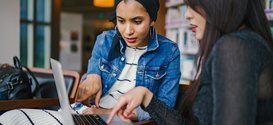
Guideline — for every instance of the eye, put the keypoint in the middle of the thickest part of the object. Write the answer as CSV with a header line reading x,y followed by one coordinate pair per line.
x,y
137,22
121,21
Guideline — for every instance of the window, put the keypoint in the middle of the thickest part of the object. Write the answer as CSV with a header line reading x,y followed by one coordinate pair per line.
x,y
35,32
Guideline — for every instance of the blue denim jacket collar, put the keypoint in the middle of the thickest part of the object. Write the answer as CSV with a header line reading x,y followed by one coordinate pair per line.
x,y
153,42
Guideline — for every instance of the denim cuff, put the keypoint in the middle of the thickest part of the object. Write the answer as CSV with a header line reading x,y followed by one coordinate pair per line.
x,y
142,115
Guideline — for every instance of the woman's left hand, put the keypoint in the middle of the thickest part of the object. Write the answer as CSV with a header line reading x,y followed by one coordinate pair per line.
x,y
128,102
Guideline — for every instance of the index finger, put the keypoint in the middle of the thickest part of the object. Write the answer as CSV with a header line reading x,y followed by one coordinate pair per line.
x,y
81,96
114,111
80,93
77,96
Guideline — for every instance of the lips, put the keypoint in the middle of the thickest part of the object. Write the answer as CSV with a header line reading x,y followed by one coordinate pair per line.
x,y
131,40
193,28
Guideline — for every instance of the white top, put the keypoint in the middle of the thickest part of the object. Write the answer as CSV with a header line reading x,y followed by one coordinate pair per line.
x,y
127,78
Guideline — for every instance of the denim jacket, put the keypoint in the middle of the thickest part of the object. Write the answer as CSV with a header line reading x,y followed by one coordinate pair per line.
x,y
158,68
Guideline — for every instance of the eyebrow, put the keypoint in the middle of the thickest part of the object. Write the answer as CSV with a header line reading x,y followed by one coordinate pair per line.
x,y
137,17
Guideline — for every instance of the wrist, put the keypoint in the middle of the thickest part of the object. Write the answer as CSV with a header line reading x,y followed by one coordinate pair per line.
x,y
93,76
148,95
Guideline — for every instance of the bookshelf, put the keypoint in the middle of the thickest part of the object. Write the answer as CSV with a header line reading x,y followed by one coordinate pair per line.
x,y
269,9
178,30
269,12
173,3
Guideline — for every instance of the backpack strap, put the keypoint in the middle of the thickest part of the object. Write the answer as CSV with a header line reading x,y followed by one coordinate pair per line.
x,y
18,65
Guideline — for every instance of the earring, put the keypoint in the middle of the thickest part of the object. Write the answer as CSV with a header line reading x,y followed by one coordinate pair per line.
x,y
152,32
117,32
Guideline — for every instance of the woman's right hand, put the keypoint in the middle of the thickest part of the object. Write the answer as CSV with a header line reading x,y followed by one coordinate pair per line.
x,y
91,86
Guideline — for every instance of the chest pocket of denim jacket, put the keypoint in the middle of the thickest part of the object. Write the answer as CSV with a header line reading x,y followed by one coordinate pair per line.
x,y
154,77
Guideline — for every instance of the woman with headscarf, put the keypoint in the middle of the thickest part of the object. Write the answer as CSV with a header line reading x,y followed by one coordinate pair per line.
x,y
131,55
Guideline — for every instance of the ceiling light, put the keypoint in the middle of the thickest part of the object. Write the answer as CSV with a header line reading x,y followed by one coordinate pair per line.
x,y
103,3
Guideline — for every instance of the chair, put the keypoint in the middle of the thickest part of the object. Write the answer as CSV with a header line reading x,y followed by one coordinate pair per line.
x,y
182,90
48,91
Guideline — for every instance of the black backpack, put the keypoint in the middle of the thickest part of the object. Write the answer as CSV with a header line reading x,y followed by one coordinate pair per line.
x,y
15,83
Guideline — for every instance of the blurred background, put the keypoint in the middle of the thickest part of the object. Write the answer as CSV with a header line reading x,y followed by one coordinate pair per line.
x,y
36,30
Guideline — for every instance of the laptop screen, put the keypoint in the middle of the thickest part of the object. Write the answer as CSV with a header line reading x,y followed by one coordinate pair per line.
x,y
61,90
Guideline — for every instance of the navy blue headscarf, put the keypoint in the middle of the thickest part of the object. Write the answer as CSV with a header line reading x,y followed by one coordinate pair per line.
x,y
151,6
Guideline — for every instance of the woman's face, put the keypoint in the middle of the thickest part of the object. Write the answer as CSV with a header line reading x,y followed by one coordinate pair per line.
x,y
133,23
197,22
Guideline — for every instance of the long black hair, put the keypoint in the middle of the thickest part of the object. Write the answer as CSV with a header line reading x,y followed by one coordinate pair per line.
x,y
222,17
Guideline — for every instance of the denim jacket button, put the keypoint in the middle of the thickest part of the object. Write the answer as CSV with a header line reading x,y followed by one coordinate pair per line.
x,y
105,86
102,66
157,75
114,74
122,58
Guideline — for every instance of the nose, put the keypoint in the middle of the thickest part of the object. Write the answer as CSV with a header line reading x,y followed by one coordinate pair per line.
x,y
188,15
129,30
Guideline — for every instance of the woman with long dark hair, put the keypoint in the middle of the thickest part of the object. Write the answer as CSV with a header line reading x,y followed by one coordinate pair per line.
x,y
234,83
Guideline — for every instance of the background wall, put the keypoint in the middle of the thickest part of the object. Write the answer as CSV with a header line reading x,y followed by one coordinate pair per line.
x,y
160,22
9,30
71,41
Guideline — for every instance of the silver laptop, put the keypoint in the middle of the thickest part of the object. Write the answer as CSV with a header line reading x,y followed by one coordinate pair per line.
x,y
69,117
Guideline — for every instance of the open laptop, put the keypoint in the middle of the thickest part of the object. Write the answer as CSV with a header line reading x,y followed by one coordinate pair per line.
x,y
69,117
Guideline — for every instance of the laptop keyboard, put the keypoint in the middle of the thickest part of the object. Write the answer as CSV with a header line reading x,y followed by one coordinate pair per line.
x,y
81,119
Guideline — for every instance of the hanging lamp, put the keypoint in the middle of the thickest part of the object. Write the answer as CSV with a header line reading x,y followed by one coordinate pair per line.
x,y
103,3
